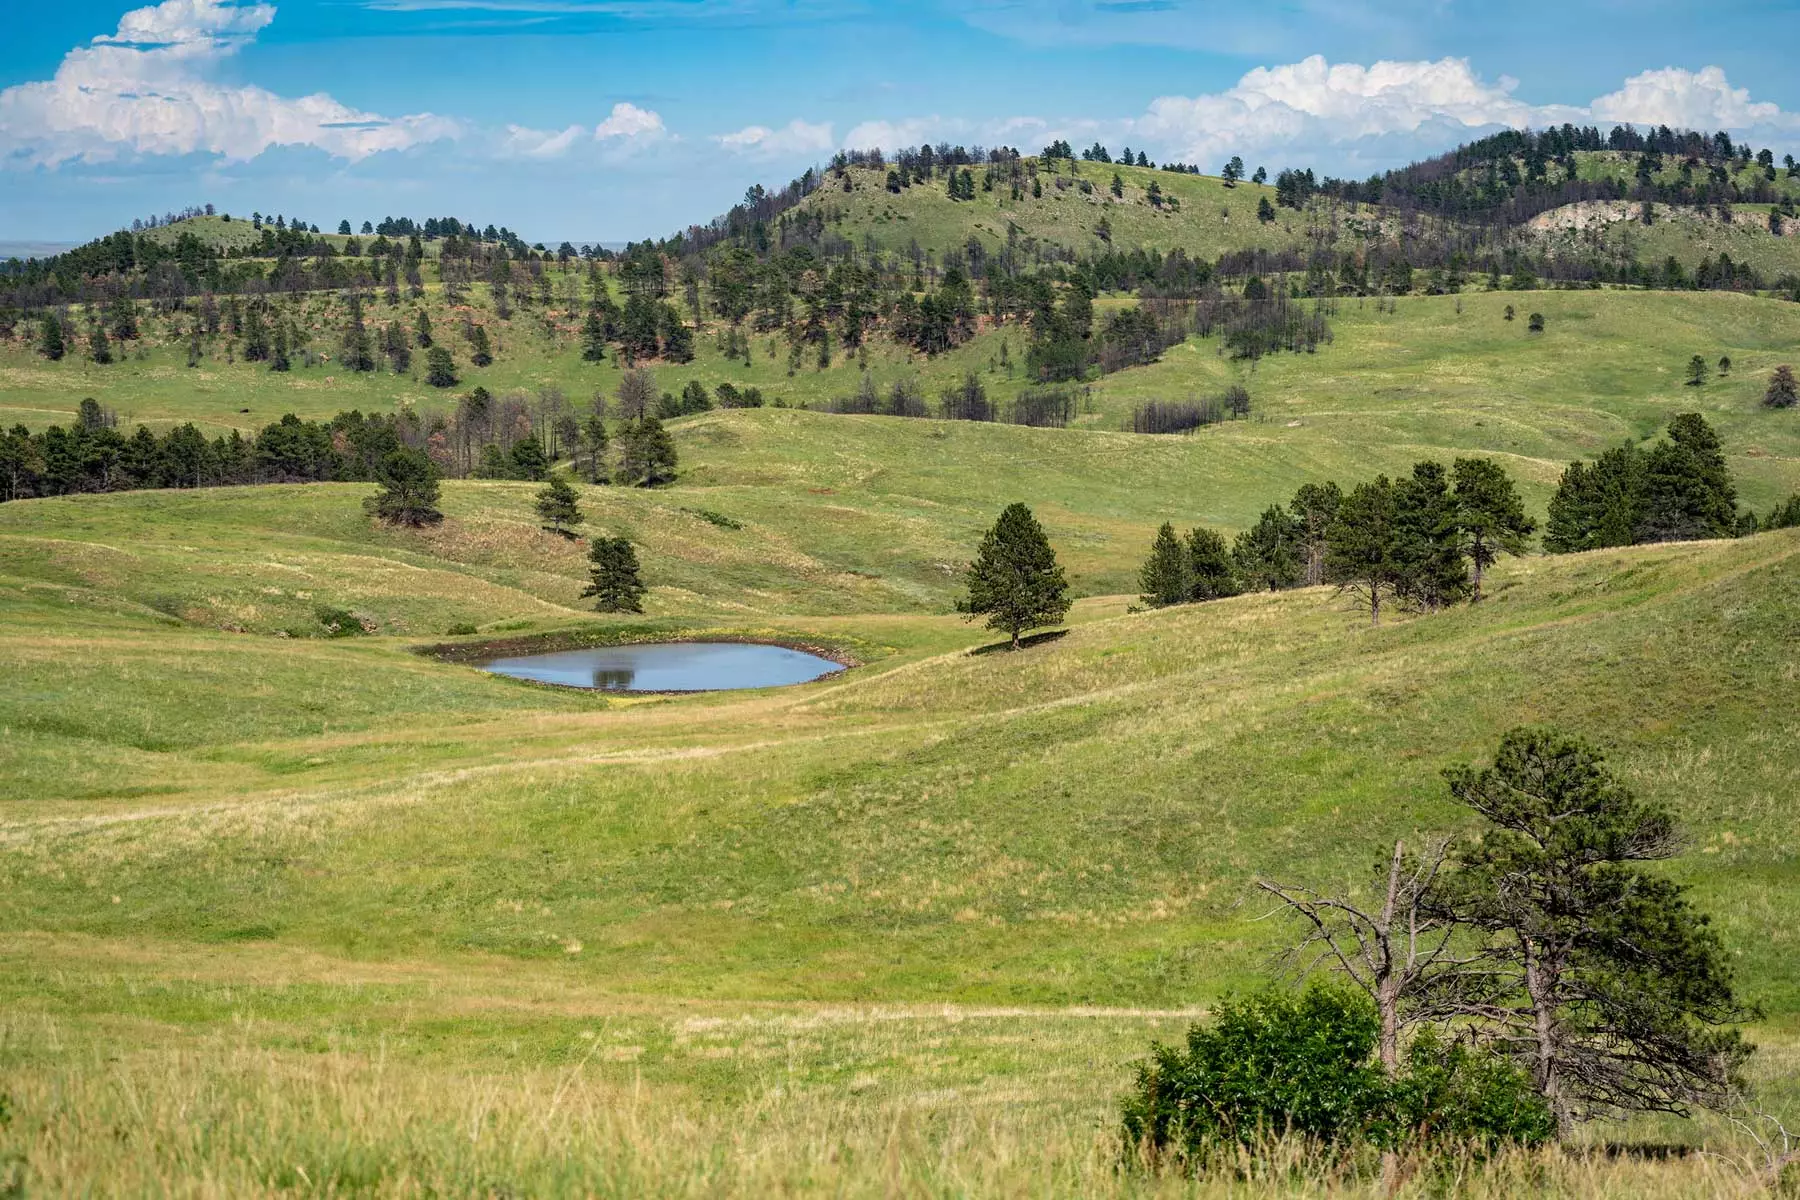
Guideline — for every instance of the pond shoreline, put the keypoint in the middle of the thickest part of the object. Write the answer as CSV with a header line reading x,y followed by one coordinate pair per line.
x,y
479,653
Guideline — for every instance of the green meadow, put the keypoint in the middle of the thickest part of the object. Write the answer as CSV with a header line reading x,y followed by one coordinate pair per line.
x,y
282,913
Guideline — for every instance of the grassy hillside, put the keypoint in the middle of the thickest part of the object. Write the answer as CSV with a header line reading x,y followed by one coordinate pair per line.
x,y
1206,220
237,232
1439,376
335,878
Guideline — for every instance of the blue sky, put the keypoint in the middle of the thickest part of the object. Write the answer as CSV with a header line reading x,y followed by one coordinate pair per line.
x,y
617,119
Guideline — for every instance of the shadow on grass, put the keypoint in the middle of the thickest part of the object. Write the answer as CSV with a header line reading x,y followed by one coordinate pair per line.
x,y
1025,643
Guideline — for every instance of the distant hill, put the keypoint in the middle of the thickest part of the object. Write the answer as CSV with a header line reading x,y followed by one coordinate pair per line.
x,y
23,250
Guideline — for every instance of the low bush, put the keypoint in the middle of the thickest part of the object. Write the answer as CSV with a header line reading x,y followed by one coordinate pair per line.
x,y
1282,1064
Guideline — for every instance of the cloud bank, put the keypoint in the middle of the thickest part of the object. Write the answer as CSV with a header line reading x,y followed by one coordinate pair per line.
x,y
147,89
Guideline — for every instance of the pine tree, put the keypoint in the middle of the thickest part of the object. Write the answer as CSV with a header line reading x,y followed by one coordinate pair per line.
x,y
527,460
558,504
278,357
593,337
256,335
1782,392
594,443
1490,515
1266,555
1314,507
1015,581
1210,573
1688,491
646,454
1265,212
99,346
1164,576
1598,505
1429,567
677,338
481,351
617,586
1359,546
1697,371
440,368
50,338
1603,979
409,489
422,330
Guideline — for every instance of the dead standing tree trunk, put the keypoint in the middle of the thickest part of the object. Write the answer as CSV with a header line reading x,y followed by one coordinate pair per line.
x,y
1392,954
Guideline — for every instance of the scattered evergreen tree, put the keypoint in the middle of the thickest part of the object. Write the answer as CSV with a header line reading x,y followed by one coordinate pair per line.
x,y
1688,491
694,398
616,585
481,350
1782,391
256,334
278,354
1599,505
646,454
527,460
1015,580
1534,323
1601,977
558,504
677,338
1430,571
1314,508
100,346
1164,576
440,368
594,443
1489,514
1697,371
1266,556
1210,572
1265,212
50,338
357,355
593,337
409,489
422,330
1359,545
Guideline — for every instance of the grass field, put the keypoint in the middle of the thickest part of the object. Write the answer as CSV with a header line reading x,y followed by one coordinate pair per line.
x,y
288,914
375,922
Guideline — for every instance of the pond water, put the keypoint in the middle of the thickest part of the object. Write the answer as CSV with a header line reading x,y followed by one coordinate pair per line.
x,y
668,667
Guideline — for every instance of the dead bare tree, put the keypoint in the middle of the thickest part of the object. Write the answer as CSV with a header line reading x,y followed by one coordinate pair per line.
x,y
1401,954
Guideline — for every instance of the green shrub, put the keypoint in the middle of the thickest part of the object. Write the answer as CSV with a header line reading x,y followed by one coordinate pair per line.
x,y
460,629
1283,1064
339,622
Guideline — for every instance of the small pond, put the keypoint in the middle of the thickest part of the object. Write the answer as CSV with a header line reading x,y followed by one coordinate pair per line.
x,y
668,667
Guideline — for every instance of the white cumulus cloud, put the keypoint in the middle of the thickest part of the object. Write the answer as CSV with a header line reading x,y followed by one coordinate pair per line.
x,y
147,89
1702,99
630,122
796,137
1393,110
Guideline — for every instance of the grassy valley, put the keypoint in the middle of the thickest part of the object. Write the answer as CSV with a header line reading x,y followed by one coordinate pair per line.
x,y
286,912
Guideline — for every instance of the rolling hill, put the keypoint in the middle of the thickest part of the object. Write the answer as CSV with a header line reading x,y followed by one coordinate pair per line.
x,y
288,912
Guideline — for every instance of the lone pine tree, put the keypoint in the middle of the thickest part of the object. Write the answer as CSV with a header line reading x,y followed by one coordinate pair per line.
x,y
616,585
558,504
1601,977
409,489
1015,581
